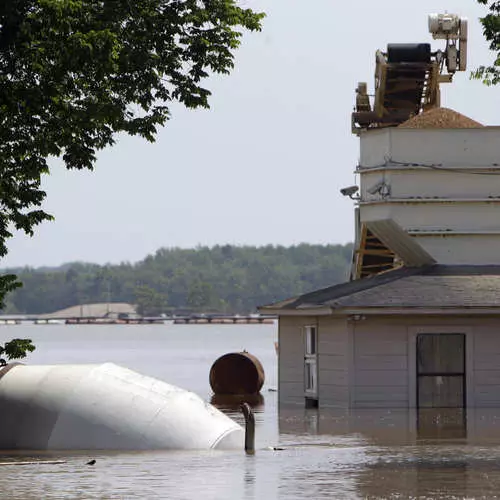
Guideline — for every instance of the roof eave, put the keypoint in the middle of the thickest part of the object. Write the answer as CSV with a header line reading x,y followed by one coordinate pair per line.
x,y
399,311
300,311
382,311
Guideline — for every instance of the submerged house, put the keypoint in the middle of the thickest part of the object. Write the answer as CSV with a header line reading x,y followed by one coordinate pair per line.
x,y
418,325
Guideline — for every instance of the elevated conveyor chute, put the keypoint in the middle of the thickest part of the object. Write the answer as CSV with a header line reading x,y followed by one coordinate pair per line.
x,y
407,76
407,80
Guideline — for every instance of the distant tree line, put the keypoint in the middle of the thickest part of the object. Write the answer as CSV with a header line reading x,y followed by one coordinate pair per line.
x,y
229,279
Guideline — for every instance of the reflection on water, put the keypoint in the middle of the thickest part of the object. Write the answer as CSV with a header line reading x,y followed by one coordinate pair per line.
x,y
429,454
233,402
441,423
327,454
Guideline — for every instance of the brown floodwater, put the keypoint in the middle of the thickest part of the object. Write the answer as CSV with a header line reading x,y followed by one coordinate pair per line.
x,y
323,454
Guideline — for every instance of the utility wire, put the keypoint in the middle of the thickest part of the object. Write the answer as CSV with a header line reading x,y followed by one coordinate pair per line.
x,y
439,167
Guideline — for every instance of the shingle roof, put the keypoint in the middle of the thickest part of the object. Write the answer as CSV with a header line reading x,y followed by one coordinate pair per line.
x,y
436,286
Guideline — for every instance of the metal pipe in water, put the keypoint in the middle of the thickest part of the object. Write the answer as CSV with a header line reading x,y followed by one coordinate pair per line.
x,y
249,429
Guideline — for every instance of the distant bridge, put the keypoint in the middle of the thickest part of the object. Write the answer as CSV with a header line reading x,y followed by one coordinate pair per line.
x,y
223,319
192,319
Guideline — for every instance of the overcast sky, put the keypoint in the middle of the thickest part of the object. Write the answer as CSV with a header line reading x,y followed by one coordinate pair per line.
x,y
265,164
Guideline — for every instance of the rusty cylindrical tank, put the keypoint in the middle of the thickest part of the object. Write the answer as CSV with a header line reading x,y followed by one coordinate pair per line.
x,y
237,373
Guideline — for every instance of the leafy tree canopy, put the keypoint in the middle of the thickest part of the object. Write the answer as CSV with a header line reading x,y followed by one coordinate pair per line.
x,y
490,75
149,302
231,279
16,348
73,73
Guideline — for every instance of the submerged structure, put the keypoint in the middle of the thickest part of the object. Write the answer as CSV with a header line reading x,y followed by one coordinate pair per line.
x,y
417,324
105,407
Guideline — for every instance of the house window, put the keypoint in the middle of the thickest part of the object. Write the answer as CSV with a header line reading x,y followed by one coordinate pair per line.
x,y
310,377
441,370
311,363
311,340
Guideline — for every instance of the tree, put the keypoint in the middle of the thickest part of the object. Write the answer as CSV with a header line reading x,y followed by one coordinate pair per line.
x,y
232,279
149,302
74,73
16,349
200,295
490,75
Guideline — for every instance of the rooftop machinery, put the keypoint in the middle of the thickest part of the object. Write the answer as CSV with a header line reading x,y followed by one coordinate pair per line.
x,y
407,80
407,76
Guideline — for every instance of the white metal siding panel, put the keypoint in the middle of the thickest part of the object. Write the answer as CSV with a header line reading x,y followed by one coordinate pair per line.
x,y
331,344
381,362
423,215
333,362
467,249
333,396
385,378
487,365
487,361
334,377
430,183
416,197
381,365
488,377
291,359
378,354
381,397
375,147
463,146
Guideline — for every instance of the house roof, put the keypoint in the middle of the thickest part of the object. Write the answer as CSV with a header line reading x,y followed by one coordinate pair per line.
x,y
430,287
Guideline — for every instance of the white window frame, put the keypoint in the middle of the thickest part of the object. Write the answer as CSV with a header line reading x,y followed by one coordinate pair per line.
x,y
311,360
309,344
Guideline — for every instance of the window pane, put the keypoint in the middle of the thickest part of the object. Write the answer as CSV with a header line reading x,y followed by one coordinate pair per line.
x,y
310,340
440,392
313,340
310,376
440,353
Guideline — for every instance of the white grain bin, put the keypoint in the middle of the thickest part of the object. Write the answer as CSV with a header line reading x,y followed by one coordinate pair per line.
x,y
90,407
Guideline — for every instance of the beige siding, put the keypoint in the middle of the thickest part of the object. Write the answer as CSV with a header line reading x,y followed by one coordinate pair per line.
x,y
487,365
333,362
371,363
380,365
291,359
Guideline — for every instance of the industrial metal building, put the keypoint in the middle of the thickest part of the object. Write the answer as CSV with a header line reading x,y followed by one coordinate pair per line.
x,y
418,324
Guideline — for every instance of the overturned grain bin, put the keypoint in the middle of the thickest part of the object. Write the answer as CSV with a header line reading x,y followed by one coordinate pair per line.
x,y
237,373
106,407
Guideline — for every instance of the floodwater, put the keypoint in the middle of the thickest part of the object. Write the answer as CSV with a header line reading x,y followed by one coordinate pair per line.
x,y
326,454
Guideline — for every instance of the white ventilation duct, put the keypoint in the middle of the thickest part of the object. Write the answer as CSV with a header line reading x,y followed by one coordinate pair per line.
x,y
107,407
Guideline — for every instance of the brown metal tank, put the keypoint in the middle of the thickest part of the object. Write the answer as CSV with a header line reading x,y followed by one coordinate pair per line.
x,y
237,373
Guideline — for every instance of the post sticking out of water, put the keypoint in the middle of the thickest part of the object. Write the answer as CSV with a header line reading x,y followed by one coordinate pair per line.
x,y
249,429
